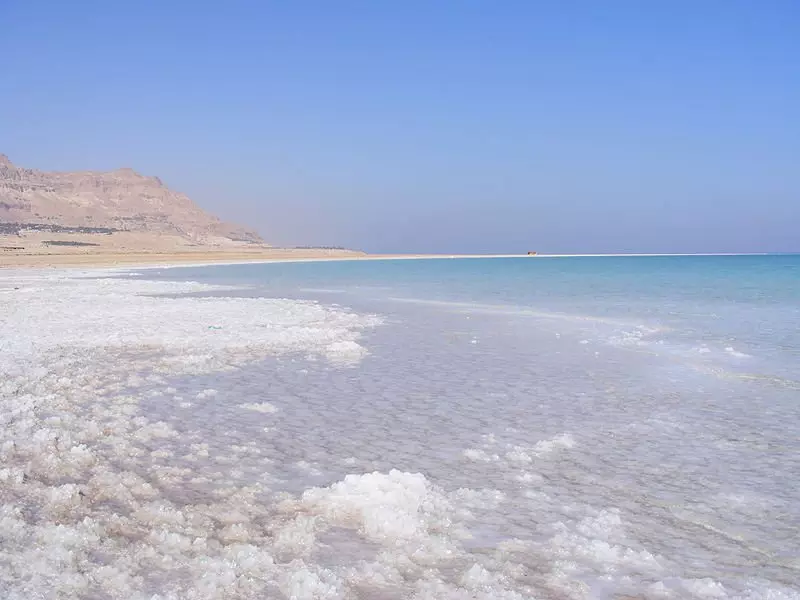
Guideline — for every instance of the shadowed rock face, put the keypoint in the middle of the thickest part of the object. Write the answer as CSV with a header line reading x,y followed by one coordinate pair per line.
x,y
121,199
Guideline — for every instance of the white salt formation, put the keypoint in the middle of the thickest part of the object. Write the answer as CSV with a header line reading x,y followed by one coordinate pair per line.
x,y
98,500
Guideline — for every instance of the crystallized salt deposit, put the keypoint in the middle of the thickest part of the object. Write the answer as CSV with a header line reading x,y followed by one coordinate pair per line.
x,y
387,508
82,313
93,502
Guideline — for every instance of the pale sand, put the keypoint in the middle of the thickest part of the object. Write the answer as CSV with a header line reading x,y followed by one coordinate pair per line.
x,y
112,259
201,257
139,249
87,258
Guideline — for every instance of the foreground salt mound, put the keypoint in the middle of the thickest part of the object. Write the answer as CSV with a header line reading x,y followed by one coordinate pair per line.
x,y
397,506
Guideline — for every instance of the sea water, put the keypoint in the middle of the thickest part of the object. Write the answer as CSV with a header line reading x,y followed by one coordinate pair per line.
x,y
608,427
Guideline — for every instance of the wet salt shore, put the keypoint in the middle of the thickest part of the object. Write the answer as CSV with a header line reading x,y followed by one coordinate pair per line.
x,y
99,500
169,439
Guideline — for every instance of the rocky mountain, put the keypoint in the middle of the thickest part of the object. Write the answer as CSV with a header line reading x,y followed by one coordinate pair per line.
x,y
120,200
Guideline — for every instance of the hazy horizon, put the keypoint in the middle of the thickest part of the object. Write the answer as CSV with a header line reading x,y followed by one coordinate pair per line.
x,y
454,127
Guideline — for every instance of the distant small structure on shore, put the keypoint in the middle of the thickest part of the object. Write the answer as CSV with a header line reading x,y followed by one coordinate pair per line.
x,y
531,253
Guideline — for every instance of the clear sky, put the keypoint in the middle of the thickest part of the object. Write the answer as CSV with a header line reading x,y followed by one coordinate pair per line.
x,y
463,126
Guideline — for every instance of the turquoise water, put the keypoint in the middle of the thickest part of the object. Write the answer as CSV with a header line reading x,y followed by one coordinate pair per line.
x,y
750,304
601,427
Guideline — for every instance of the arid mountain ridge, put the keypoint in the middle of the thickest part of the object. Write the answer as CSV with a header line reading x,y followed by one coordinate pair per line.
x,y
119,200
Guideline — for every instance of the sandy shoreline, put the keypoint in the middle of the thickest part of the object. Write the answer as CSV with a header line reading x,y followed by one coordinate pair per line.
x,y
154,259
199,258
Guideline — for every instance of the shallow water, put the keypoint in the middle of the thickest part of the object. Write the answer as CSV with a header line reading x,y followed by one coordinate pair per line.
x,y
509,428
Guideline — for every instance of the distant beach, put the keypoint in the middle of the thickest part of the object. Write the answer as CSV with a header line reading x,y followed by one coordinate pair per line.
x,y
205,256
261,255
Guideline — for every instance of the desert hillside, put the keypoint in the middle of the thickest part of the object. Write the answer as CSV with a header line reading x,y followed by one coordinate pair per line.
x,y
122,205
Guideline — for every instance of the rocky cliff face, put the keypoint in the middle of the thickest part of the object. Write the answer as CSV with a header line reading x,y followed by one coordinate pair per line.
x,y
121,200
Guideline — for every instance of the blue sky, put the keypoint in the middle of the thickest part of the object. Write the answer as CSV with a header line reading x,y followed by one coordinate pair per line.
x,y
561,126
